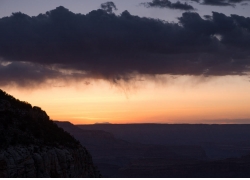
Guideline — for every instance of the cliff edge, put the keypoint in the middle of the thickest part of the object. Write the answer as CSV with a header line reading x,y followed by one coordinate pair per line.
x,y
32,145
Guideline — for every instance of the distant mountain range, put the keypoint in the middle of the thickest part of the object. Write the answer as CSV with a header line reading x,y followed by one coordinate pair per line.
x,y
219,141
113,155
156,150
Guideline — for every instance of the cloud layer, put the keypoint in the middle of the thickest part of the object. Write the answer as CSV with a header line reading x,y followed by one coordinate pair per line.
x,y
108,6
187,7
222,2
101,45
168,4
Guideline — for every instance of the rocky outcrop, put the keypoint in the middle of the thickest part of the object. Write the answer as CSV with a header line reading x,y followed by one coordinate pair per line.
x,y
32,145
33,161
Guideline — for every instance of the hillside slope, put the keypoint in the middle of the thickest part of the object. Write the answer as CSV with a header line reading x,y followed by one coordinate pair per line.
x,y
34,146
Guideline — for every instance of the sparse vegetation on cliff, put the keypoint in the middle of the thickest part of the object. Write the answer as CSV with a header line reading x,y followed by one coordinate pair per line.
x,y
20,123
32,145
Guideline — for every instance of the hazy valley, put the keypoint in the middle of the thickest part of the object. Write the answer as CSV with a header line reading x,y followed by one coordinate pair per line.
x,y
162,150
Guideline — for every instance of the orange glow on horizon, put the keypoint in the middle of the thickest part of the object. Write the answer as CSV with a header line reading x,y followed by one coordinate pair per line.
x,y
179,102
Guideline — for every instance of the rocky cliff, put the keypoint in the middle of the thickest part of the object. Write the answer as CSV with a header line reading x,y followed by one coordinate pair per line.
x,y
31,145
32,161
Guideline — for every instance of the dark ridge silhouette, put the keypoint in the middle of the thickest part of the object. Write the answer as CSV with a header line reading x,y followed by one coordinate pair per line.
x,y
32,145
23,124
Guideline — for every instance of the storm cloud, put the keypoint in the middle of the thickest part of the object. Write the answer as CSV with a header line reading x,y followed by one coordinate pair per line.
x,y
99,45
220,2
108,6
168,4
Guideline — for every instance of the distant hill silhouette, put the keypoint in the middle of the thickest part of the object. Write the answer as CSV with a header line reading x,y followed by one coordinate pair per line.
x,y
114,156
103,123
219,141
169,150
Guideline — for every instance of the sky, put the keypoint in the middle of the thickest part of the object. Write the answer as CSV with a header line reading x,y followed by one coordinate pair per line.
x,y
133,61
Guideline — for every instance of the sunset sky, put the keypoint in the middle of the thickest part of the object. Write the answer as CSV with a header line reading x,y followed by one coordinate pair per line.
x,y
146,62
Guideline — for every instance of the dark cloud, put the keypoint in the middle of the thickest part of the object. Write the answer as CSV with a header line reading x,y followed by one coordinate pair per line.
x,y
244,4
108,6
237,1
196,1
217,2
24,74
222,2
101,45
168,4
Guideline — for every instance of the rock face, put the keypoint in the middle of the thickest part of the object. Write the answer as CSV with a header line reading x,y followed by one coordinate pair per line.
x,y
28,162
31,145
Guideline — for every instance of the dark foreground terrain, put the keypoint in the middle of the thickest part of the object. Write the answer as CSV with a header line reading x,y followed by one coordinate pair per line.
x,y
163,150
33,146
